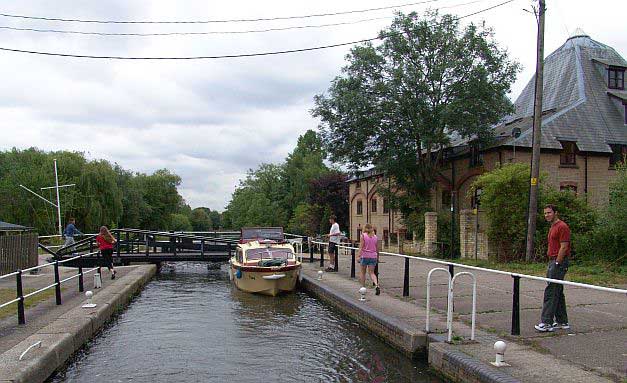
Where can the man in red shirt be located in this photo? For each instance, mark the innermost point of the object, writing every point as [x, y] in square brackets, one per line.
[554, 306]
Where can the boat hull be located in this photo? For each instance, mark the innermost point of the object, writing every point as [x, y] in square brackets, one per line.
[270, 281]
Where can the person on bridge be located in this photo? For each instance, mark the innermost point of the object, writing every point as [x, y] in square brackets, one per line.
[335, 237]
[554, 306]
[69, 232]
[105, 243]
[368, 256]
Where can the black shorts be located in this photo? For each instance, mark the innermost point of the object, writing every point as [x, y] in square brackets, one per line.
[332, 246]
[107, 258]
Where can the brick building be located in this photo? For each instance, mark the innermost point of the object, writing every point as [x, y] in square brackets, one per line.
[584, 133]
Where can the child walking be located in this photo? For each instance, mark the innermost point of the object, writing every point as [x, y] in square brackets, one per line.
[368, 255]
[105, 244]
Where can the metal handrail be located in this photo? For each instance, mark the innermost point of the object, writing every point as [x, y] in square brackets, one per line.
[9, 302]
[8, 275]
[39, 291]
[512, 274]
[427, 329]
[449, 309]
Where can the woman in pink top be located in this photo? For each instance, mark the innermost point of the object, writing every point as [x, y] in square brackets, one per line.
[368, 255]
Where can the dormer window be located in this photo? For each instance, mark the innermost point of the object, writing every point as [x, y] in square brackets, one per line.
[358, 185]
[616, 78]
[568, 156]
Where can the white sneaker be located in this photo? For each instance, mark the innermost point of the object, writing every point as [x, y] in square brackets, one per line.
[544, 327]
[563, 326]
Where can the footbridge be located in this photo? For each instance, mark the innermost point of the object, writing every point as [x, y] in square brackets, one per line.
[136, 245]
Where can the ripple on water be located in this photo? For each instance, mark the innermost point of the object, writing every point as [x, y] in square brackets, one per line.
[191, 325]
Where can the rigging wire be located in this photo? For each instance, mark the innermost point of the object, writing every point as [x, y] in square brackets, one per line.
[257, 54]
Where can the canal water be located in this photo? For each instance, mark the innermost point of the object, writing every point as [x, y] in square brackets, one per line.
[190, 325]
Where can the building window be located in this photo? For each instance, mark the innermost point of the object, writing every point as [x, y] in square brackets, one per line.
[476, 159]
[446, 199]
[616, 78]
[359, 234]
[569, 186]
[568, 154]
[374, 205]
[360, 207]
[619, 153]
[386, 237]
[386, 206]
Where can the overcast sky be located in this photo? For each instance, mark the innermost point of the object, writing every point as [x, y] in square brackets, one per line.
[211, 120]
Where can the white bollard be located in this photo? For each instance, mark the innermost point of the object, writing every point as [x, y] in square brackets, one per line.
[89, 304]
[362, 293]
[97, 281]
[320, 272]
[500, 348]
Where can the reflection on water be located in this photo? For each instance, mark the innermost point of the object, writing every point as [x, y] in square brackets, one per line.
[191, 325]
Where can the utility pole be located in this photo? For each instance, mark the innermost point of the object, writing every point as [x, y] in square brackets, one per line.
[56, 187]
[537, 126]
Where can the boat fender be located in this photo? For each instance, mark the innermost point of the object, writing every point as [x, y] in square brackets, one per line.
[238, 273]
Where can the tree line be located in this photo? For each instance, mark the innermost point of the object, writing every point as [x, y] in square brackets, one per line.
[299, 194]
[104, 194]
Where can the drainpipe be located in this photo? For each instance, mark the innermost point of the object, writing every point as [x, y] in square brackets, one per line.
[585, 176]
[453, 197]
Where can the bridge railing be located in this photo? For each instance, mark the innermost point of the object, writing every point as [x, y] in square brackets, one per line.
[138, 241]
[19, 286]
[515, 322]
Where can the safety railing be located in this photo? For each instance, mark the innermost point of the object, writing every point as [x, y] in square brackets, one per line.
[19, 287]
[515, 328]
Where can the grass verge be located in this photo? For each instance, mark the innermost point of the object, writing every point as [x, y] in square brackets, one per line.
[9, 294]
[602, 274]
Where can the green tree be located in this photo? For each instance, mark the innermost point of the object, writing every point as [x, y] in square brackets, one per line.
[397, 105]
[180, 222]
[200, 220]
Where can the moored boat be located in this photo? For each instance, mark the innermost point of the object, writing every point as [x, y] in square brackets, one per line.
[264, 262]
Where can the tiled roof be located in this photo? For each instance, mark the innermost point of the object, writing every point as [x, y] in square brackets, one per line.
[576, 100]
[5, 226]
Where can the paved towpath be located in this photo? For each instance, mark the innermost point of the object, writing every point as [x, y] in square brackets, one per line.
[46, 311]
[596, 342]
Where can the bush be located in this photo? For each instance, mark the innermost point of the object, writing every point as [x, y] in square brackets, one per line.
[608, 240]
[505, 199]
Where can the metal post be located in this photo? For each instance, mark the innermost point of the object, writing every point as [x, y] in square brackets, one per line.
[147, 244]
[228, 246]
[321, 256]
[128, 244]
[174, 243]
[336, 251]
[81, 286]
[516, 306]
[91, 245]
[451, 270]
[406, 279]
[311, 252]
[56, 183]
[57, 281]
[20, 295]
[353, 263]
[202, 247]
[117, 243]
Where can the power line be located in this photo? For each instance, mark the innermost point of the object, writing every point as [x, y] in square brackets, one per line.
[197, 33]
[216, 32]
[216, 21]
[227, 56]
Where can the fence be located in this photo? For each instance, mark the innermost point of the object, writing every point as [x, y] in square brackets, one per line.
[515, 328]
[18, 252]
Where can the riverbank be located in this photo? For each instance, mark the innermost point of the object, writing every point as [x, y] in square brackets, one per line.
[589, 352]
[62, 330]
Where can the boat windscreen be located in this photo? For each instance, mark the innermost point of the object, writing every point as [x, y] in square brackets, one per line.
[261, 233]
[269, 253]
